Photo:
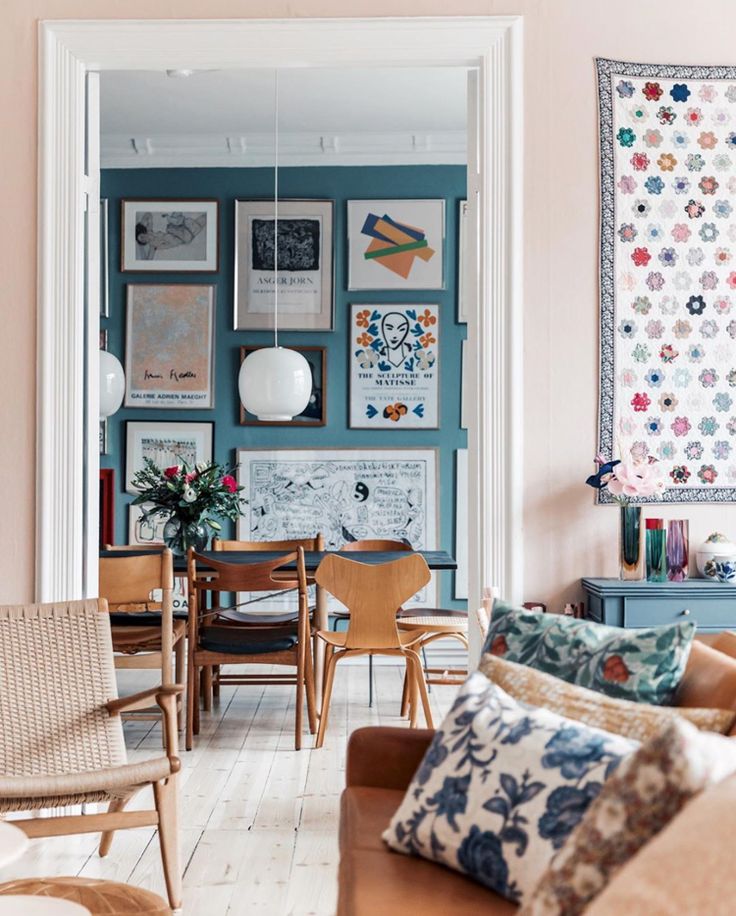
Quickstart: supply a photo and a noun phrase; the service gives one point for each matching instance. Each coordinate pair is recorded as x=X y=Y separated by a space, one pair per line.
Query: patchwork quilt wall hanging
x=668 y=273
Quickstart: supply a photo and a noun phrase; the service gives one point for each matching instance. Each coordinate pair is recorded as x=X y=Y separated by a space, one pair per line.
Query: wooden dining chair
x=372 y=593
x=216 y=639
x=210 y=682
x=382 y=545
x=144 y=631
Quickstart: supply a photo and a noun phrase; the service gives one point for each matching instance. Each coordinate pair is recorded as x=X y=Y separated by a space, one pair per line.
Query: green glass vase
x=630 y=560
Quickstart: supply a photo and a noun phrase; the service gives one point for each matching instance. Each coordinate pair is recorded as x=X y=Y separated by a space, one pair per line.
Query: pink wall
x=566 y=536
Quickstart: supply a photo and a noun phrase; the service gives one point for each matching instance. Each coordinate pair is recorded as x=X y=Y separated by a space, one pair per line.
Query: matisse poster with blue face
x=394 y=366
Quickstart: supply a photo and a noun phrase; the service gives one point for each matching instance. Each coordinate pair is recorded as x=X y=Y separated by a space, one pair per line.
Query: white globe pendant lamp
x=275 y=383
x=112 y=384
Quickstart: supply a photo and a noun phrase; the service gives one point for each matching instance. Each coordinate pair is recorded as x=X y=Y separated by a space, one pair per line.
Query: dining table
x=436 y=560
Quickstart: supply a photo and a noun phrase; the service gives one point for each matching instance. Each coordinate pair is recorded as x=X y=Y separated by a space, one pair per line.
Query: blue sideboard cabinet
x=711 y=605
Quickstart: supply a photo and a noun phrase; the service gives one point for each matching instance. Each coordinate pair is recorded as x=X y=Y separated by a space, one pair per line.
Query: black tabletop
x=436 y=559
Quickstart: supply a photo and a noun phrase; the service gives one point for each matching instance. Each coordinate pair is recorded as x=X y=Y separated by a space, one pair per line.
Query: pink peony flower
x=230 y=483
x=636 y=480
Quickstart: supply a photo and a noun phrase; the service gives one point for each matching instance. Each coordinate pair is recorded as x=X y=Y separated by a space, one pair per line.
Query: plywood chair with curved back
x=372 y=593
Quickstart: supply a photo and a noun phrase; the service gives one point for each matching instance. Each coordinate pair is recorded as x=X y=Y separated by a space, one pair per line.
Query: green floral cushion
x=644 y=665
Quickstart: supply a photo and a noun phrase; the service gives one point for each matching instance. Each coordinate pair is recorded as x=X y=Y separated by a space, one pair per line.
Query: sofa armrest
x=385 y=758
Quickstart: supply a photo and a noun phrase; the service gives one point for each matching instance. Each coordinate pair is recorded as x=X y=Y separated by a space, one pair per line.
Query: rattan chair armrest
x=144 y=699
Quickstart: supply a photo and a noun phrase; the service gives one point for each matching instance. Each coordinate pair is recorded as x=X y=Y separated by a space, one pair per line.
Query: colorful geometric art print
x=668 y=273
x=396 y=244
x=394 y=371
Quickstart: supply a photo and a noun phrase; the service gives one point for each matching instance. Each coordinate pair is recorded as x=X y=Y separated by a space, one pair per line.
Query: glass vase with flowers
x=192 y=498
x=626 y=482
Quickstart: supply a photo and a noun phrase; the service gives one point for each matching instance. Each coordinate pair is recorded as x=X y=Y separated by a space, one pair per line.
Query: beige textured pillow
x=624 y=717
x=645 y=793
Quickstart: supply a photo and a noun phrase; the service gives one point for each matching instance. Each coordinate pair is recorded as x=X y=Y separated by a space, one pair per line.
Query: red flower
x=640 y=161
x=171 y=472
x=230 y=483
x=641 y=401
x=615 y=670
x=641 y=257
x=652 y=91
x=499 y=646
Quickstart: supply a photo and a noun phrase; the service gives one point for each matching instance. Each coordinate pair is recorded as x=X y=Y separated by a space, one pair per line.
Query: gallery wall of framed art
x=416 y=395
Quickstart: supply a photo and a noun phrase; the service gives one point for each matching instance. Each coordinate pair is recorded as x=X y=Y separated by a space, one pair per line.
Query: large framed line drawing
x=305 y=265
x=170 y=346
x=346 y=494
x=396 y=244
x=668 y=273
x=394 y=366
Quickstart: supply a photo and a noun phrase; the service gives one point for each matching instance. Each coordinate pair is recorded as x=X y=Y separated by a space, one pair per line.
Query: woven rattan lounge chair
x=61 y=737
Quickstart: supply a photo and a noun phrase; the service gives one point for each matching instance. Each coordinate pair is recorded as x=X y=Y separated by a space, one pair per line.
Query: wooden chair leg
x=192 y=701
x=311 y=692
x=330 y=663
x=299 y=713
x=412 y=685
x=116 y=805
x=216 y=682
x=405 y=697
x=421 y=687
x=166 y=797
x=197 y=692
x=207 y=688
x=180 y=675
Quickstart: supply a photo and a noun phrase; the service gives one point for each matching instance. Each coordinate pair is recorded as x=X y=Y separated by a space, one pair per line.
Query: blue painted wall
x=339 y=184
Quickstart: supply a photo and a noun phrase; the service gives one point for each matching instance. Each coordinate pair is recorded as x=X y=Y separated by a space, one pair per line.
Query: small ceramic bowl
x=723 y=570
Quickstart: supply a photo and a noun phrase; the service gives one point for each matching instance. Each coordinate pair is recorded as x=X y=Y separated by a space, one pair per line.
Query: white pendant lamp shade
x=112 y=384
x=275 y=383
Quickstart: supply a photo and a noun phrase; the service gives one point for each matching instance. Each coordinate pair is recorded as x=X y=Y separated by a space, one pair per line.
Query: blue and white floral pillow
x=501 y=787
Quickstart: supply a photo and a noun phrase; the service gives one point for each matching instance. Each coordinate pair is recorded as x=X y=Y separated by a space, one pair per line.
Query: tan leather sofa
x=381 y=762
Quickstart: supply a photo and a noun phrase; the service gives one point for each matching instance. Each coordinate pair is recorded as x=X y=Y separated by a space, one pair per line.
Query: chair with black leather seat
x=139 y=593
x=217 y=637
x=210 y=677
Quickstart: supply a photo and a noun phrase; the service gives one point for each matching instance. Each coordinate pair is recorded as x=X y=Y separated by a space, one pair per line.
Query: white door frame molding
x=65 y=540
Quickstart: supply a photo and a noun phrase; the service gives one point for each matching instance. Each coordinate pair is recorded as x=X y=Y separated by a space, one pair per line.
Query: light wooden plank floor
x=259 y=819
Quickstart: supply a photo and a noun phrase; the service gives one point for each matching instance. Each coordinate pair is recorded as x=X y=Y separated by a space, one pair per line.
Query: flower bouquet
x=627 y=481
x=191 y=498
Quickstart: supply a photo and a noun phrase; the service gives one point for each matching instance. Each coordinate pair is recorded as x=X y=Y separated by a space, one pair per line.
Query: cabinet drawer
x=707 y=613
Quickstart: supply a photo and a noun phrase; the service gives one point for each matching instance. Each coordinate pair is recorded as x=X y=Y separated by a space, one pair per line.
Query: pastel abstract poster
x=396 y=244
x=169 y=345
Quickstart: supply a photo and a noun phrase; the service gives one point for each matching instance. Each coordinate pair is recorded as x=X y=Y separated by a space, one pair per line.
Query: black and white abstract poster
x=302 y=261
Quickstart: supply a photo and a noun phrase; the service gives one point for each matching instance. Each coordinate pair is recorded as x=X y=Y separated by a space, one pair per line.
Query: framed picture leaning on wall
x=394 y=366
x=170 y=346
x=305 y=265
x=315 y=413
x=165 y=444
x=396 y=244
x=165 y=235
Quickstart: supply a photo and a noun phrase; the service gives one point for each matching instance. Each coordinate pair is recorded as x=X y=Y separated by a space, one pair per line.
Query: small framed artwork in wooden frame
x=315 y=413
x=165 y=235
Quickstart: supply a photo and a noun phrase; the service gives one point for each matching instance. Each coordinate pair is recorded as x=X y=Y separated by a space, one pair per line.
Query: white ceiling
x=152 y=119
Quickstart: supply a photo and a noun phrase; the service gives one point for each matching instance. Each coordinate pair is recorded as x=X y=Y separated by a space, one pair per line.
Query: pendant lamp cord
x=276 y=210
